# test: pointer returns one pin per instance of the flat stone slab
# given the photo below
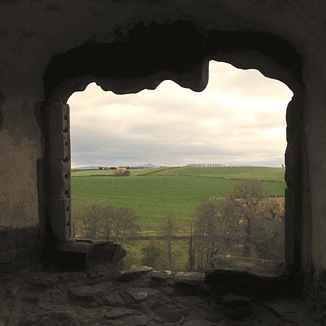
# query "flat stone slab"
(251, 277)
(142, 293)
(161, 276)
(118, 313)
(133, 273)
(189, 278)
(254, 266)
(189, 283)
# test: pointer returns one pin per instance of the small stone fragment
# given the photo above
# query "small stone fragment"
(133, 273)
(140, 294)
(161, 276)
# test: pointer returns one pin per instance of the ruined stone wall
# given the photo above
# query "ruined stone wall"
(33, 32)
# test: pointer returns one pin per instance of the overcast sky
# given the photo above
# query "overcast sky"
(239, 119)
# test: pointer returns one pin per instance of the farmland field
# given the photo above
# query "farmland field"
(258, 173)
(155, 191)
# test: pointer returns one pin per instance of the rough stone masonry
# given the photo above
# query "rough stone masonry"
(51, 49)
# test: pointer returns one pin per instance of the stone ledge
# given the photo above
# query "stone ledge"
(259, 278)
(88, 254)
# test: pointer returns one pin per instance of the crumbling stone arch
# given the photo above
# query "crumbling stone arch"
(143, 58)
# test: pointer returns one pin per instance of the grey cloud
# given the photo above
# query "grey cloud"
(248, 84)
(176, 126)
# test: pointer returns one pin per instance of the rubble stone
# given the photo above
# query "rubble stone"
(134, 272)
(252, 277)
(68, 299)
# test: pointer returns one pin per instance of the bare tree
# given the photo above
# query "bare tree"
(214, 225)
(152, 254)
(262, 218)
(268, 230)
(91, 220)
(124, 224)
(246, 217)
(191, 250)
(100, 221)
(168, 231)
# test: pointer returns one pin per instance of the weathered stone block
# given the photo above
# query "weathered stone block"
(251, 277)
(59, 144)
(60, 179)
(88, 254)
(58, 117)
(142, 293)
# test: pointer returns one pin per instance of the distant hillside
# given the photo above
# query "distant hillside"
(148, 165)
(91, 167)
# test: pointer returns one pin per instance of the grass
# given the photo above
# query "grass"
(86, 173)
(155, 191)
(237, 173)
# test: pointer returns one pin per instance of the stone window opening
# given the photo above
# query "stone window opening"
(150, 96)
(66, 75)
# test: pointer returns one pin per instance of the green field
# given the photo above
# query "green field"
(84, 173)
(154, 192)
(237, 173)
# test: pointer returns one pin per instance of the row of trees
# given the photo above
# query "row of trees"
(99, 221)
(247, 222)
(162, 252)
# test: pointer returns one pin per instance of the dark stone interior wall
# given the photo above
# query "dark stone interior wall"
(1, 114)
(142, 58)
(57, 49)
(157, 50)
(18, 247)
